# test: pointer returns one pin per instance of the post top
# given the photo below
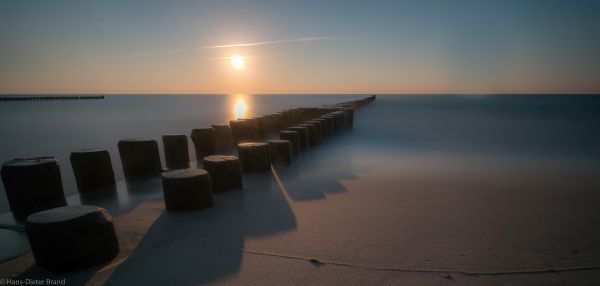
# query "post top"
(27, 162)
(279, 141)
(251, 145)
(220, 158)
(66, 213)
(184, 173)
(89, 150)
(132, 140)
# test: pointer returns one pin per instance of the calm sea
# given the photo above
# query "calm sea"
(553, 127)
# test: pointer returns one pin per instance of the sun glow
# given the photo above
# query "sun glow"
(238, 62)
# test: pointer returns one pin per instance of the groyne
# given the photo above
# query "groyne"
(254, 141)
(50, 97)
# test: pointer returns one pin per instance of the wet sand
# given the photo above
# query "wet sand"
(355, 211)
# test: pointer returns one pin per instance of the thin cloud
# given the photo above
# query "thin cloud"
(245, 57)
(224, 46)
(275, 42)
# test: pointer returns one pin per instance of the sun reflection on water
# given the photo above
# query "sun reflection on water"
(240, 107)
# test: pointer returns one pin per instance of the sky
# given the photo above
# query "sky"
(401, 46)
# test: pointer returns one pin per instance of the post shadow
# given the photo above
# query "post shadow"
(118, 200)
(318, 171)
(197, 247)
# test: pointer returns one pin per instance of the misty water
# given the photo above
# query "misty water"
(562, 129)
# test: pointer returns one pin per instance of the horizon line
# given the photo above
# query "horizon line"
(313, 93)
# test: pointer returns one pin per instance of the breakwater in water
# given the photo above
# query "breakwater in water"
(61, 97)
(35, 193)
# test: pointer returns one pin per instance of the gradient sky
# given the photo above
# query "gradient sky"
(402, 46)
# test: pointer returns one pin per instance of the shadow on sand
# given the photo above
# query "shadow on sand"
(319, 171)
(208, 245)
(202, 246)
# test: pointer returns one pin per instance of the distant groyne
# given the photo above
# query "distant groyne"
(49, 97)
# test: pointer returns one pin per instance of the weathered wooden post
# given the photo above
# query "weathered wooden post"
(284, 119)
(177, 155)
(244, 130)
(262, 126)
(72, 238)
(280, 152)
(204, 140)
(254, 157)
(339, 120)
(294, 138)
(92, 168)
(304, 136)
(225, 172)
(223, 139)
(322, 127)
(313, 138)
(329, 124)
(139, 157)
(271, 123)
(187, 189)
(32, 185)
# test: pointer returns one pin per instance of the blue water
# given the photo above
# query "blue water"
(563, 128)
(517, 125)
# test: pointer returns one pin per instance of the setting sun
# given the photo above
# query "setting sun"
(237, 62)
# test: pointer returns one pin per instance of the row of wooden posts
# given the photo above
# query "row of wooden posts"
(66, 238)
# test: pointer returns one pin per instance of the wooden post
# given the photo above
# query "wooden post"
(294, 138)
(204, 140)
(225, 172)
(93, 169)
(32, 185)
(177, 155)
(139, 157)
(254, 157)
(72, 238)
(187, 189)
(280, 152)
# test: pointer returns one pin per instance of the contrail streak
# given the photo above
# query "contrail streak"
(275, 42)
(245, 57)
(252, 44)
